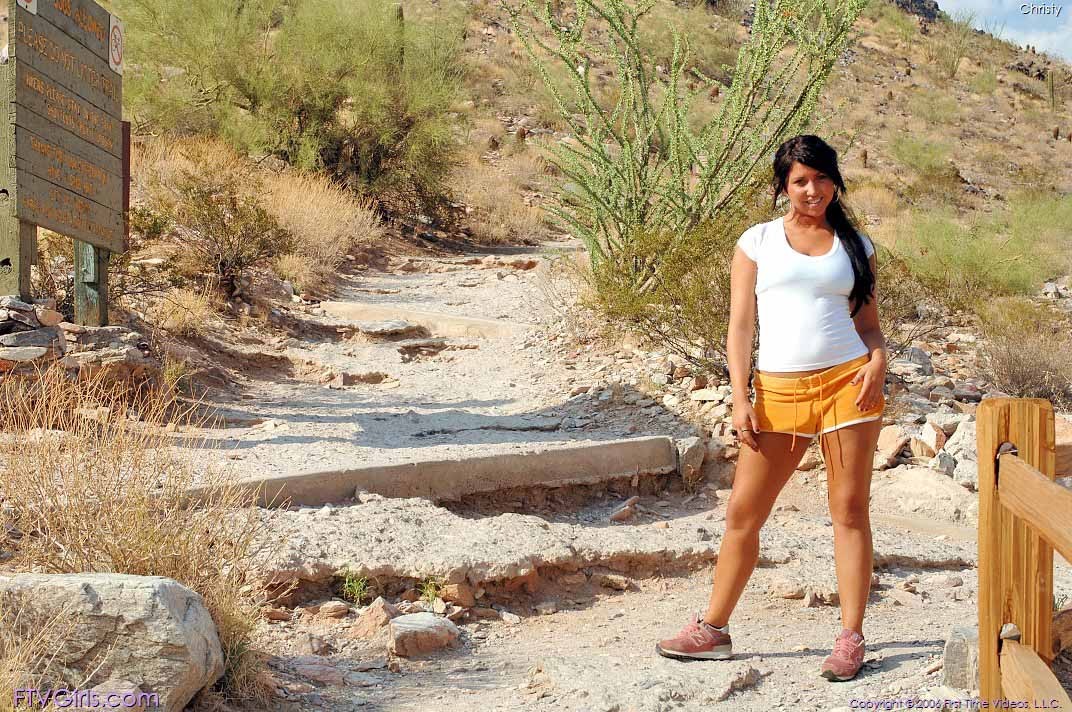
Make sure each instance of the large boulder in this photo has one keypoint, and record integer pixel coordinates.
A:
(911, 489)
(148, 630)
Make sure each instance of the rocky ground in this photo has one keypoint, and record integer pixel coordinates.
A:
(574, 628)
(553, 599)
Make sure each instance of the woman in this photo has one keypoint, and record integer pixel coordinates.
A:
(820, 373)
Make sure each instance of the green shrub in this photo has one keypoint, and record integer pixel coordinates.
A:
(934, 107)
(341, 85)
(642, 183)
(985, 81)
(919, 154)
(892, 20)
(355, 588)
(954, 42)
(221, 227)
(964, 264)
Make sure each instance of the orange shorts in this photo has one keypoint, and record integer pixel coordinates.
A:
(812, 405)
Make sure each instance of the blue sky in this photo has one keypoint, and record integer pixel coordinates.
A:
(1048, 33)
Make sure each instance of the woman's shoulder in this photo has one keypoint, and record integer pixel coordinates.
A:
(753, 239)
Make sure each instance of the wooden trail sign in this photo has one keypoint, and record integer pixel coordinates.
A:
(64, 148)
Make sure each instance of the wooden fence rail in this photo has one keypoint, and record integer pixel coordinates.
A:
(1023, 517)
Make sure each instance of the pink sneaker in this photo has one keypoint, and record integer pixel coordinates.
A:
(697, 641)
(848, 655)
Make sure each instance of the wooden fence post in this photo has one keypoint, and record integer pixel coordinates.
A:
(90, 284)
(1015, 564)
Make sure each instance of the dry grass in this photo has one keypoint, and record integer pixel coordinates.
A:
(326, 222)
(876, 200)
(185, 312)
(91, 486)
(1026, 350)
(28, 646)
(500, 213)
(159, 162)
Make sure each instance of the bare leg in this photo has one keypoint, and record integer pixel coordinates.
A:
(759, 478)
(849, 454)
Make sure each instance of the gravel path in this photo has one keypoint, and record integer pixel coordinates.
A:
(491, 395)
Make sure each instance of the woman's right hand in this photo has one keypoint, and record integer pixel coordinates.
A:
(746, 423)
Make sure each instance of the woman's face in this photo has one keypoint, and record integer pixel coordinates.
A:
(810, 191)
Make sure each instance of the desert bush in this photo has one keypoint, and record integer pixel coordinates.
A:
(638, 180)
(934, 107)
(636, 166)
(342, 85)
(28, 645)
(985, 81)
(904, 302)
(954, 42)
(92, 485)
(876, 200)
(222, 229)
(325, 221)
(713, 49)
(936, 179)
(1026, 349)
(53, 275)
(1041, 222)
(962, 264)
(894, 21)
(919, 154)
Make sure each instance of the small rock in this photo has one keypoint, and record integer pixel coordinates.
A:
(614, 581)
(792, 590)
(510, 618)
(920, 448)
(459, 593)
(390, 327)
(309, 644)
(48, 317)
(546, 608)
(810, 461)
(334, 609)
(960, 660)
(418, 633)
(690, 456)
(373, 619)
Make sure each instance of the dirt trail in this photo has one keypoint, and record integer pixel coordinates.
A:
(482, 395)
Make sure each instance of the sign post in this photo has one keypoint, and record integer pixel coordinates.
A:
(64, 153)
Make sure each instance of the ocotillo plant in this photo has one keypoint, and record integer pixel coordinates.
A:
(634, 164)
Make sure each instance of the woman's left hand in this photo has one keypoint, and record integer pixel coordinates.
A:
(873, 377)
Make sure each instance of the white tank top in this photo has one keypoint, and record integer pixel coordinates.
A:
(803, 301)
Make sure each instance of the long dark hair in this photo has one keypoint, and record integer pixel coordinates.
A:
(816, 153)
